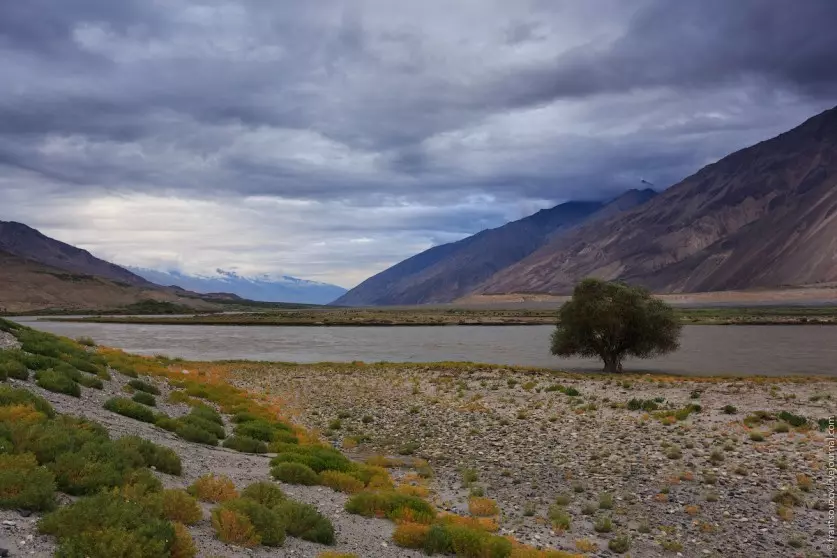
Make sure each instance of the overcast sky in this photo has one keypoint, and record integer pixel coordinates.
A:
(330, 139)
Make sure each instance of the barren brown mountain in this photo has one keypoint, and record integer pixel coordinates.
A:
(446, 272)
(765, 216)
(24, 241)
(27, 286)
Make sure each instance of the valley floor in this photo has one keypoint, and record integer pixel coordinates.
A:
(702, 484)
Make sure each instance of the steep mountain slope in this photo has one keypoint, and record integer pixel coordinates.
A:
(764, 216)
(27, 286)
(24, 241)
(446, 272)
(264, 288)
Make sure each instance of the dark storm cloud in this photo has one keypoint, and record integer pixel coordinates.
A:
(377, 128)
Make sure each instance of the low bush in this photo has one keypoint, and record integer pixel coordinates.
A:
(91, 382)
(108, 526)
(130, 409)
(58, 382)
(295, 473)
(245, 444)
(269, 526)
(305, 522)
(166, 422)
(318, 458)
(234, 528)
(197, 421)
(206, 412)
(144, 399)
(24, 484)
(265, 493)
(178, 505)
(211, 488)
(391, 505)
(620, 544)
(192, 433)
(16, 396)
(794, 420)
(342, 482)
(145, 387)
(482, 507)
(411, 535)
(258, 429)
(10, 368)
(183, 545)
(161, 458)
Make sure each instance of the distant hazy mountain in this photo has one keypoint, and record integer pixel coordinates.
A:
(262, 287)
(448, 271)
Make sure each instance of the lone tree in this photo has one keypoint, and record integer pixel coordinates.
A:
(612, 321)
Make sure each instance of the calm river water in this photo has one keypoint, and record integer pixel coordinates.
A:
(705, 350)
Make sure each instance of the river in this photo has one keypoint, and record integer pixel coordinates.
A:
(705, 350)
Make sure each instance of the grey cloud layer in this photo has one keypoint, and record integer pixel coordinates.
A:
(412, 106)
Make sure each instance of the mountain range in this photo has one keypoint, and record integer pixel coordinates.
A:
(265, 288)
(764, 216)
(39, 273)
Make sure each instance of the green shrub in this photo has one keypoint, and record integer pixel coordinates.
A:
(207, 413)
(13, 369)
(91, 382)
(192, 433)
(268, 524)
(265, 493)
(166, 422)
(84, 472)
(17, 396)
(144, 398)
(128, 408)
(179, 506)
(620, 544)
(438, 541)
(205, 425)
(792, 419)
(730, 409)
(108, 526)
(474, 543)
(318, 458)
(390, 505)
(305, 522)
(24, 484)
(295, 473)
(145, 387)
(244, 416)
(161, 458)
(52, 380)
(245, 444)
(62, 435)
(258, 429)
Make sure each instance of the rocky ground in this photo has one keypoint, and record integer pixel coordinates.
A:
(365, 537)
(702, 486)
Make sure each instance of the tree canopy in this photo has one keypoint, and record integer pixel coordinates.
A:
(613, 321)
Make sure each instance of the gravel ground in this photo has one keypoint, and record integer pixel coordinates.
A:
(365, 537)
(8, 341)
(528, 445)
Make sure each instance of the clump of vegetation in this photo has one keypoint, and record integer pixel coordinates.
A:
(295, 473)
(131, 409)
(730, 409)
(145, 387)
(245, 444)
(265, 493)
(305, 522)
(647, 326)
(211, 488)
(642, 404)
(620, 544)
(58, 382)
(144, 399)
(796, 421)
(342, 482)
(24, 484)
(267, 524)
(179, 506)
(107, 525)
(234, 527)
(392, 505)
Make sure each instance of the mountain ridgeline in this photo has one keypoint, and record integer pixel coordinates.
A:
(762, 217)
(449, 271)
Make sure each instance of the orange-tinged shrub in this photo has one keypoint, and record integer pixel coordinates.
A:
(234, 528)
(183, 545)
(486, 524)
(19, 414)
(342, 482)
(483, 507)
(383, 461)
(178, 506)
(410, 535)
(412, 490)
(210, 488)
(691, 510)
(586, 545)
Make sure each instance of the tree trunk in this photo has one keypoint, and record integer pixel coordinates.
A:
(612, 364)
